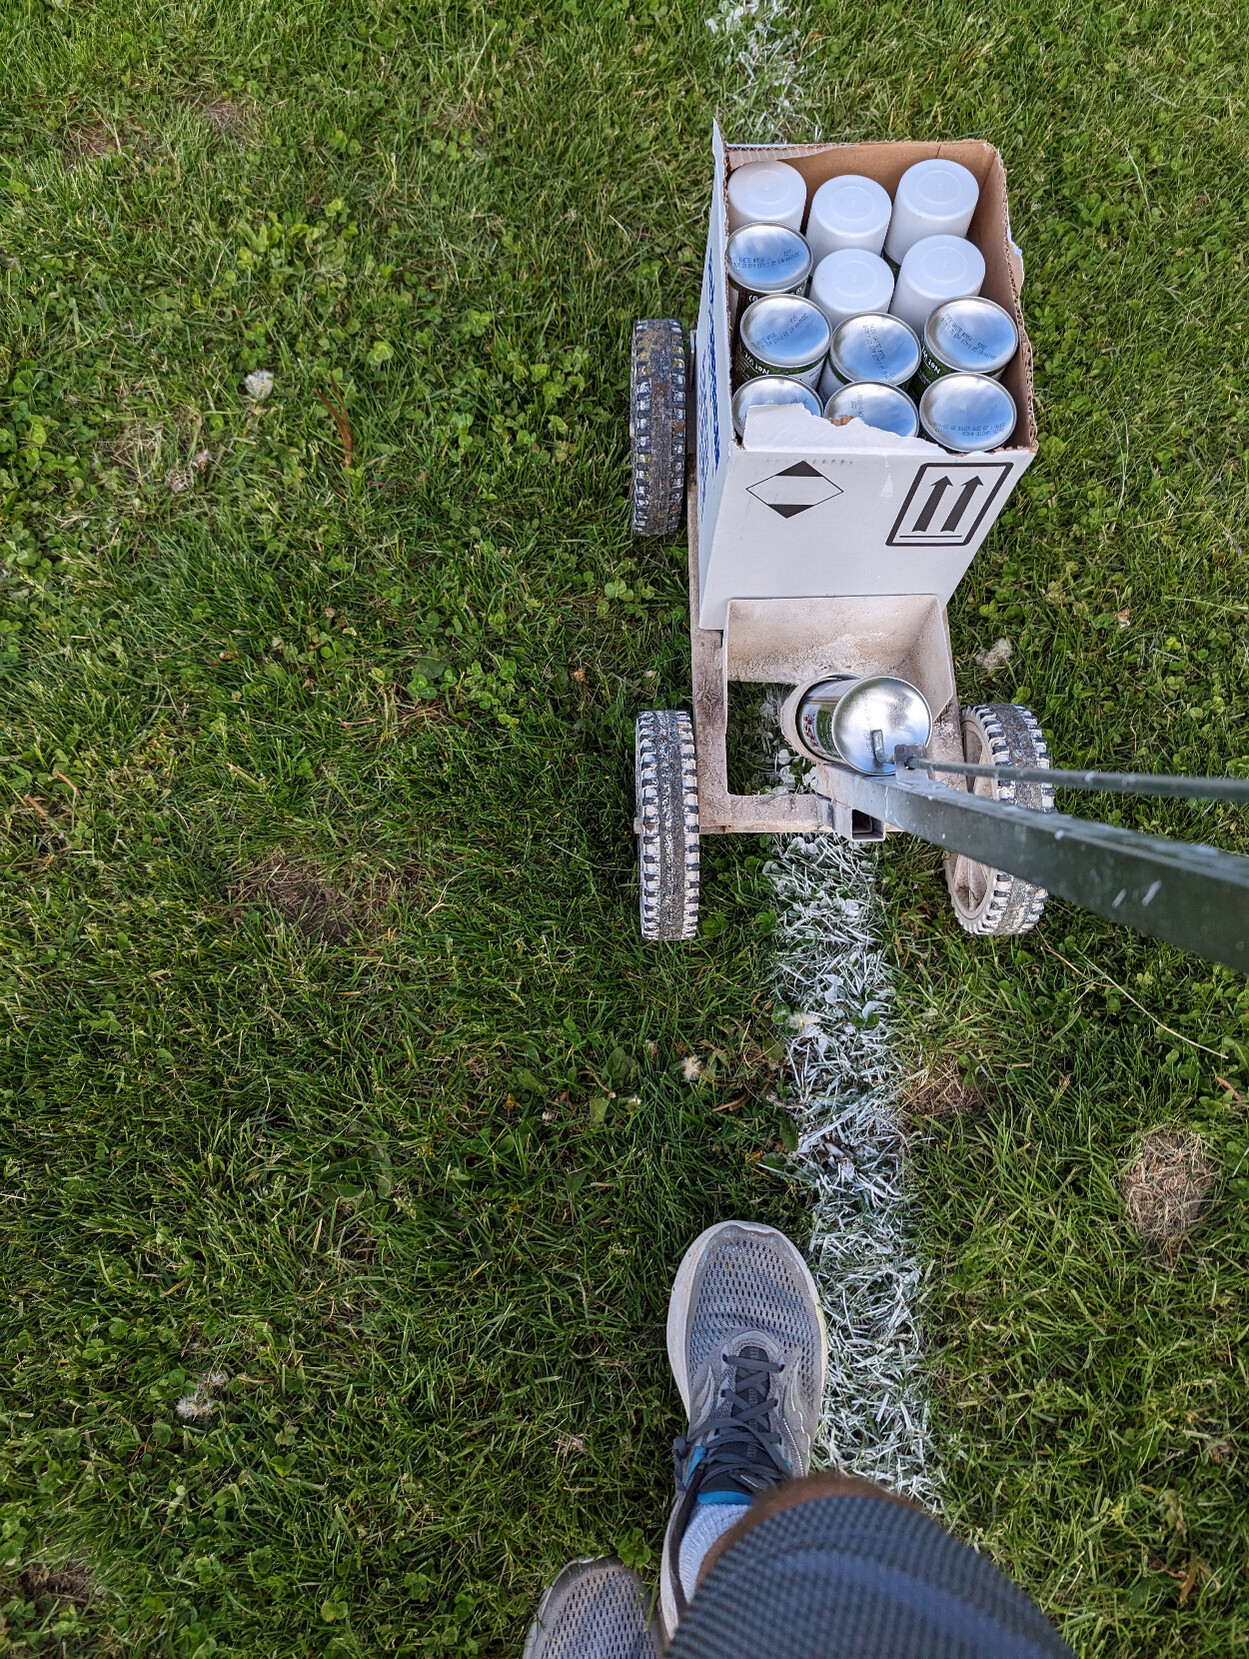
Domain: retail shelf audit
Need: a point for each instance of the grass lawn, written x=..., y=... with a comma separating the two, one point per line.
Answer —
x=341, y=1102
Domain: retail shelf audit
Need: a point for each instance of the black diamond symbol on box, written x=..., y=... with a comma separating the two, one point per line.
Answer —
x=795, y=490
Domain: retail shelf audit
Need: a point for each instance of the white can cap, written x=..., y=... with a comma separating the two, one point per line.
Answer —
x=851, y=281
x=766, y=193
x=848, y=212
x=934, y=198
x=936, y=269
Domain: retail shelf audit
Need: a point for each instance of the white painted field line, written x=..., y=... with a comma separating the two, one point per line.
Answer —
x=761, y=46
x=831, y=970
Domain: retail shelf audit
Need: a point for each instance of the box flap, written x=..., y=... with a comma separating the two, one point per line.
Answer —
x=712, y=395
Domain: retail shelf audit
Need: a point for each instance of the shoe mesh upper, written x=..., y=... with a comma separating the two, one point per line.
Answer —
x=747, y=1283
x=603, y=1614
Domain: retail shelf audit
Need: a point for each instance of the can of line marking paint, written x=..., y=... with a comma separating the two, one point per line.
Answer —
x=815, y=714
x=782, y=334
x=767, y=259
x=887, y=408
x=968, y=336
x=766, y=192
x=933, y=198
x=850, y=282
x=966, y=412
x=849, y=211
x=768, y=391
x=875, y=346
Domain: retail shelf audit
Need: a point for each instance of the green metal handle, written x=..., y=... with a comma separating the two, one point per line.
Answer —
x=1193, y=896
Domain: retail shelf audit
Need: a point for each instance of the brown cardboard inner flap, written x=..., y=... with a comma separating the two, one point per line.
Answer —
x=989, y=229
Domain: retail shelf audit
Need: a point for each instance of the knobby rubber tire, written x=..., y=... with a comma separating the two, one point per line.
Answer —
x=657, y=398
x=666, y=776
x=991, y=902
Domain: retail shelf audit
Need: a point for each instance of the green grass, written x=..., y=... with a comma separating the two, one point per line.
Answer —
x=332, y=1062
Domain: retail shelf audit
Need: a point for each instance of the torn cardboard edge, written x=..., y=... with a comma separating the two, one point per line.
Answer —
x=778, y=428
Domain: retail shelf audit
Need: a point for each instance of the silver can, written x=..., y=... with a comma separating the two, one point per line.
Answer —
x=767, y=259
x=875, y=347
x=966, y=412
x=968, y=336
x=815, y=714
x=885, y=407
x=782, y=334
x=770, y=390
x=862, y=721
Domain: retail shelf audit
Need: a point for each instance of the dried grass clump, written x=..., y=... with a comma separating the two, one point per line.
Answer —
x=1166, y=1186
x=940, y=1090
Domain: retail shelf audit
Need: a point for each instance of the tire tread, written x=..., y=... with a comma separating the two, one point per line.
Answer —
x=657, y=425
x=666, y=775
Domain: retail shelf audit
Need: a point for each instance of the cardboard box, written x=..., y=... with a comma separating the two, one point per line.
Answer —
x=804, y=509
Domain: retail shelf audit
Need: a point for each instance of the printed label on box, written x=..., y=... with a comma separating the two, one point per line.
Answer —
x=946, y=504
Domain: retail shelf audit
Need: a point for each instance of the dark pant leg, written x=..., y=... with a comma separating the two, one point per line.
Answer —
x=831, y=1568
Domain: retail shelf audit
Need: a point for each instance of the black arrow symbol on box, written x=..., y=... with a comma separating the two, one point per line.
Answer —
x=961, y=505
x=940, y=486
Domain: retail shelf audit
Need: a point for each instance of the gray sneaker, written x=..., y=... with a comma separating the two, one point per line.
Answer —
x=595, y=1610
x=747, y=1346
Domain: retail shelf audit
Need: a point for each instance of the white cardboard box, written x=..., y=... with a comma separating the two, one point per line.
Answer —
x=803, y=509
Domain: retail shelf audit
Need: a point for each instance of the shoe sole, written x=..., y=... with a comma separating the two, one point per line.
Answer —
x=678, y=1320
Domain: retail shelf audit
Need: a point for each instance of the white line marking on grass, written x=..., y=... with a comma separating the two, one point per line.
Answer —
x=762, y=47
x=832, y=971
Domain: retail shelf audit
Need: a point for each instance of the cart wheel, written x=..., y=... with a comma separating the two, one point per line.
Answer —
x=666, y=776
x=657, y=426
x=988, y=901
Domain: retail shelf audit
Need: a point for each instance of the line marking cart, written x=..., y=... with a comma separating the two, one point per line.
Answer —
x=818, y=553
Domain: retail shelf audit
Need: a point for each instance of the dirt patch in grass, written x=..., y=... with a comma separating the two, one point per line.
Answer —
x=1166, y=1187
x=324, y=908
x=941, y=1089
x=88, y=141
x=70, y=1582
x=299, y=891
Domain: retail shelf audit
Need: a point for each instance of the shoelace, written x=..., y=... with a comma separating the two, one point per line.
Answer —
x=738, y=1439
